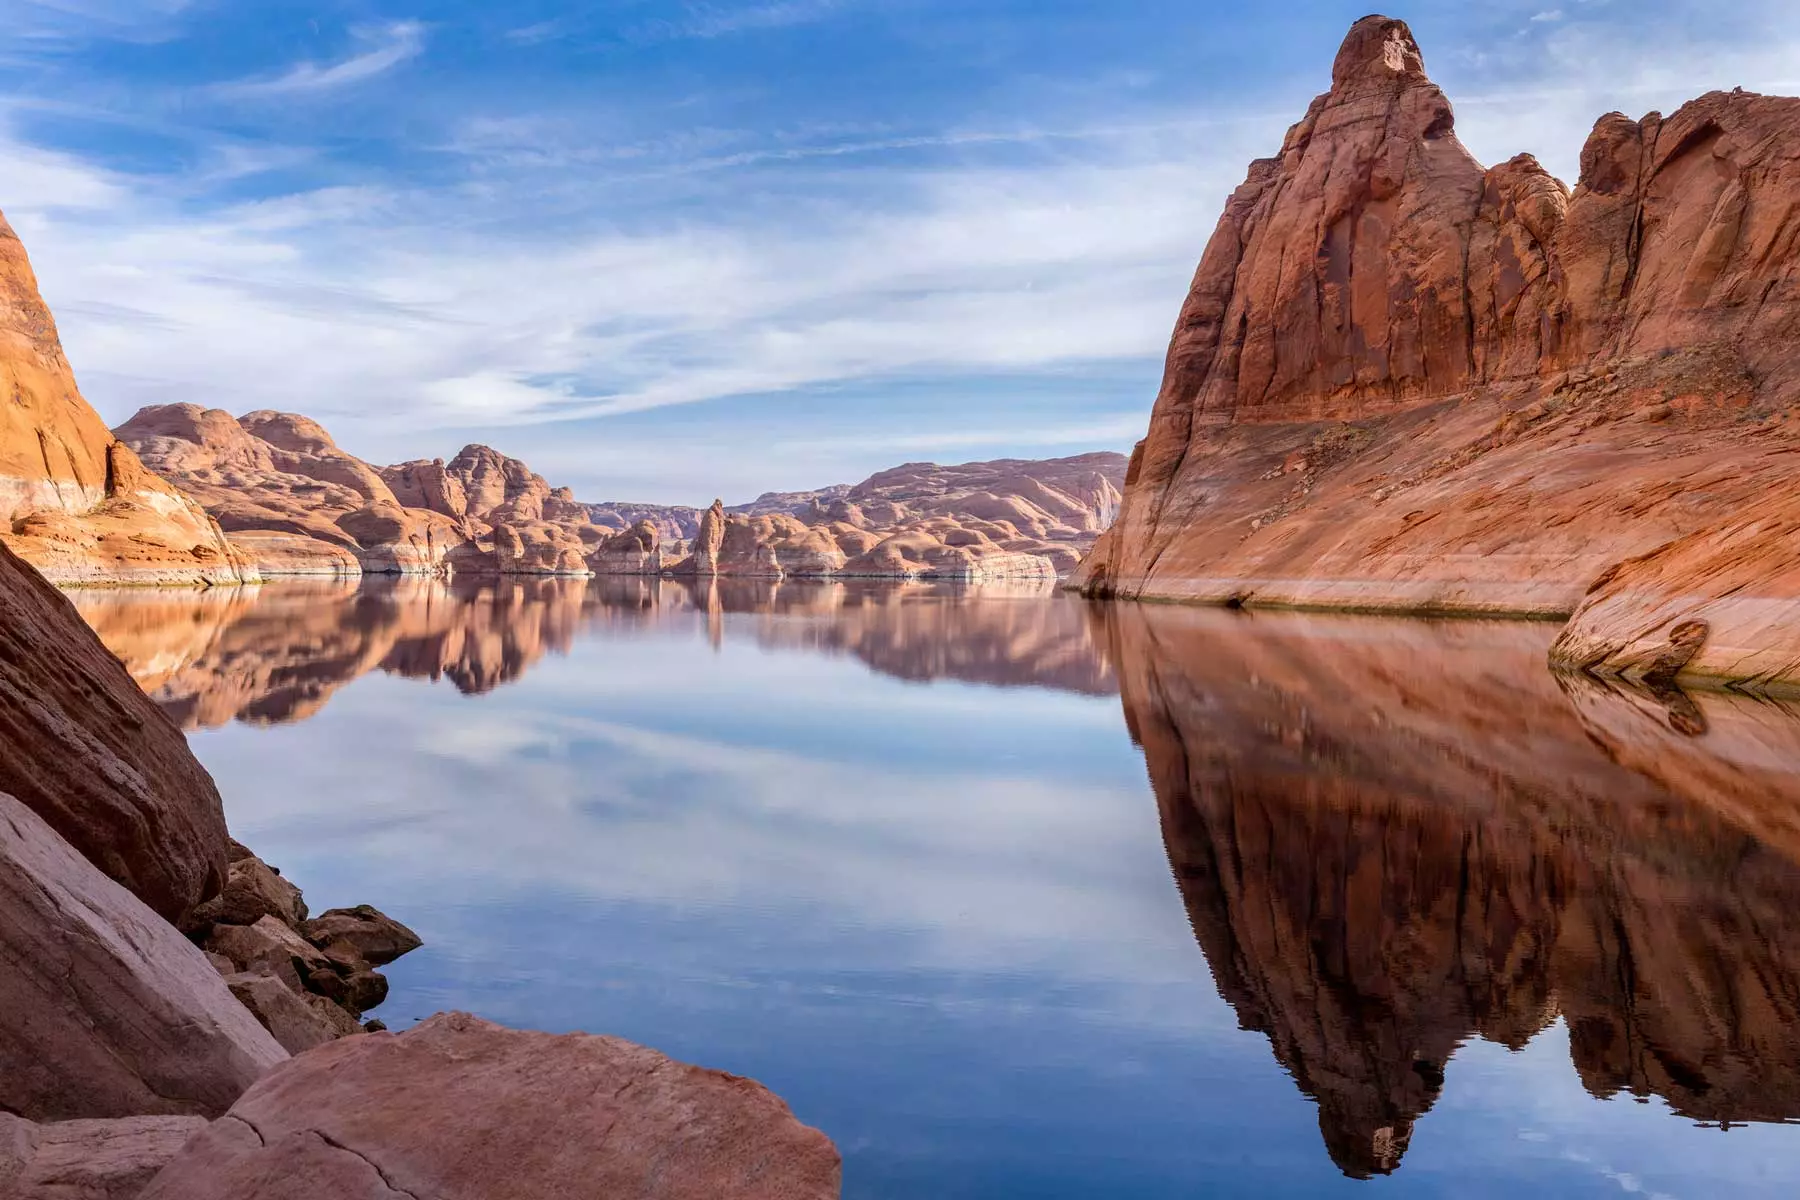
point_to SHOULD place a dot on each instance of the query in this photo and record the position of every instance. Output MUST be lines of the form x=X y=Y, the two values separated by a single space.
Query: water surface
x=1018 y=897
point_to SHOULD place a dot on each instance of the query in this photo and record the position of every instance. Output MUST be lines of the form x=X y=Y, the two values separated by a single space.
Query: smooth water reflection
x=891 y=850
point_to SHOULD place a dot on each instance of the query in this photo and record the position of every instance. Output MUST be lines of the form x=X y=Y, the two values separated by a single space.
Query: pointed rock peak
x=1379 y=48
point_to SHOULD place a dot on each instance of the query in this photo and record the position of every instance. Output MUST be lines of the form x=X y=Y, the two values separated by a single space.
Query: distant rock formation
x=1404 y=381
x=289 y=496
x=74 y=501
x=1011 y=519
x=1391 y=837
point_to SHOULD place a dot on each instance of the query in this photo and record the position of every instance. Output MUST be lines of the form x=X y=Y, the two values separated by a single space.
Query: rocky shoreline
x=175 y=1024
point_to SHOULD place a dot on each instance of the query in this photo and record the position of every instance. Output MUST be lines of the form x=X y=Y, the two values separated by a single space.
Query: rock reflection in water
x=1393 y=836
x=275 y=654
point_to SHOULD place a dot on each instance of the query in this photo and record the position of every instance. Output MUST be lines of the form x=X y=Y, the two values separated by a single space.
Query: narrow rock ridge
x=1402 y=381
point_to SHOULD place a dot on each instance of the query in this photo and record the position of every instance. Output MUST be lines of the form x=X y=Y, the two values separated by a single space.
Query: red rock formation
x=287 y=493
x=290 y=496
x=460 y=1108
x=86 y=750
x=74 y=502
x=88 y=1160
x=105 y=1010
x=1402 y=381
x=1392 y=836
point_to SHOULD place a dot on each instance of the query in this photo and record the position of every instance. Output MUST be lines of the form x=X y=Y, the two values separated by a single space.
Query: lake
x=1016 y=896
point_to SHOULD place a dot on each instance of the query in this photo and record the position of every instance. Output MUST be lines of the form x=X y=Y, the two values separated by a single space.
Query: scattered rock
x=294 y=1020
x=268 y=948
x=253 y=891
x=461 y=1109
x=371 y=933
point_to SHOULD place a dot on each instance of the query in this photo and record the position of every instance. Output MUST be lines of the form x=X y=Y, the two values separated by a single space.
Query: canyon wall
x=1404 y=381
x=75 y=502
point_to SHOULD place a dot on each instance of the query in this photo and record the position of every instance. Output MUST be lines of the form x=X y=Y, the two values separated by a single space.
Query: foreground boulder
x=86 y=750
x=105 y=1009
x=1404 y=381
x=460 y=1109
x=88 y=1160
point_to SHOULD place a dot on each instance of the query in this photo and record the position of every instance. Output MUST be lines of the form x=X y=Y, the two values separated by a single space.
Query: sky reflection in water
x=893 y=852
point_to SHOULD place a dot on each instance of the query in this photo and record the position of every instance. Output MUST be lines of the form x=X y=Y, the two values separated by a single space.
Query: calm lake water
x=1017 y=897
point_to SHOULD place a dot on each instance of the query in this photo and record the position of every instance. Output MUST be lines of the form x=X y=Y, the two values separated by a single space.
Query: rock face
x=86 y=750
x=1392 y=837
x=1721 y=603
x=75 y=502
x=106 y=1010
x=88 y=1160
x=458 y=1108
x=1007 y=520
x=289 y=496
x=1403 y=381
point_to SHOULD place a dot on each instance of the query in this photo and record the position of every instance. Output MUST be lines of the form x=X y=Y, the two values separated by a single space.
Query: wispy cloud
x=389 y=46
x=715 y=21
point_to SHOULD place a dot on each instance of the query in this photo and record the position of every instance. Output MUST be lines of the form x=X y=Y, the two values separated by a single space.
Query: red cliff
x=1404 y=381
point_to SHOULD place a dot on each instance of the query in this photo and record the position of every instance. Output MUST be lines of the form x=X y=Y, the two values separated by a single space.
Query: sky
x=666 y=250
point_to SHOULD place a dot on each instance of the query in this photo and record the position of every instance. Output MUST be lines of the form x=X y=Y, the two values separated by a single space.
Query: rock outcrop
x=288 y=495
x=74 y=501
x=979 y=522
x=105 y=1009
x=86 y=750
x=88 y=1160
x=1392 y=837
x=458 y=1108
x=1403 y=381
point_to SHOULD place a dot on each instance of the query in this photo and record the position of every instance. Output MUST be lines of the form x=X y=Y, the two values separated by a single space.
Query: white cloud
x=392 y=45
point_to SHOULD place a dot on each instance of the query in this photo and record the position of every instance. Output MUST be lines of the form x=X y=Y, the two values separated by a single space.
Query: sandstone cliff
x=75 y=502
x=289 y=496
x=1011 y=519
x=1403 y=381
x=1394 y=837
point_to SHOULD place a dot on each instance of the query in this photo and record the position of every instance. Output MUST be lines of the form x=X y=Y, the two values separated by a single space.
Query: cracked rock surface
x=460 y=1108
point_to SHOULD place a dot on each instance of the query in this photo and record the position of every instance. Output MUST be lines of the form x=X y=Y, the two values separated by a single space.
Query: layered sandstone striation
x=1392 y=837
x=75 y=502
x=1405 y=381
x=288 y=495
x=1011 y=519
x=85 y=749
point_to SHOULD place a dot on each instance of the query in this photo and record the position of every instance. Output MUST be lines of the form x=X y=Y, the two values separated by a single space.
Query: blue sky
x=668 y=250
